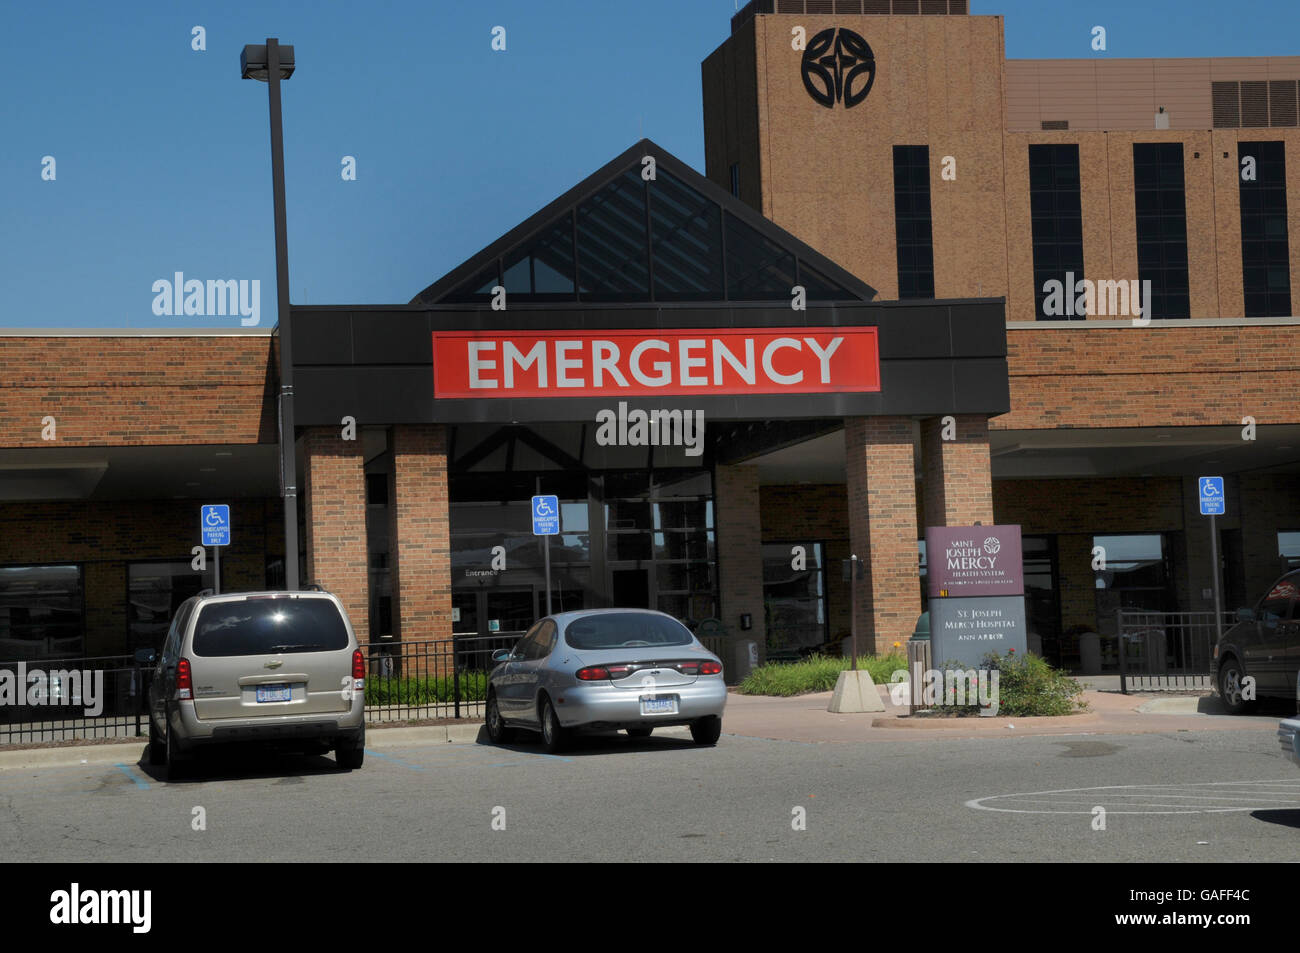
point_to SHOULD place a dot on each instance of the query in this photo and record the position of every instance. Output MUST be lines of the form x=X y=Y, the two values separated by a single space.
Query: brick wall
x=737 y=509
x=334 y=498
x=130 y=391
x=104 y=536
x=1150 y=377
x=882 y=527
x=956 y=474
x=420 y=540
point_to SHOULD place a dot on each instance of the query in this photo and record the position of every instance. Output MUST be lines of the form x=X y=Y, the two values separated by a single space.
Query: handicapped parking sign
x=1211 y=494
x=214 y=524
x=546 y=516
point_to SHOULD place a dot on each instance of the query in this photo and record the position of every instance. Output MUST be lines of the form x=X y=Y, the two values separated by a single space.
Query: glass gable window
x=612 y=260
x=1057 y=221
x=1161 y=206
x=41 y=612
x=758 y=269
x=673 y=237
x=686 y=242
x=543 y=269
x=477 y=289
x=1265 y=256
x=912 y=223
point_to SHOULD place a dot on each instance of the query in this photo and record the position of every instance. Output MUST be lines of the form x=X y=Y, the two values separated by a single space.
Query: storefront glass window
x=41 y=613
x=794 y=597
x=155 y=591
x=1288 y=548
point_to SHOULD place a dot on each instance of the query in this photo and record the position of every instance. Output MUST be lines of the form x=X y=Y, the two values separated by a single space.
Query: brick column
x=419 y=543
x=881 y=480
x=958 y=481
x=740 y=552
x=334 y=497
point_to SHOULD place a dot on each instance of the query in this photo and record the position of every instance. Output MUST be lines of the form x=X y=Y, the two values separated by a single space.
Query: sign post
x=975 y=578
x=546 y=523
x=214 y=528
x=1213 y=503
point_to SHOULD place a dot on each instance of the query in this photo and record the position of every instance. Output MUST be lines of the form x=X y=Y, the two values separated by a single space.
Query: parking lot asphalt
x=1211 y=795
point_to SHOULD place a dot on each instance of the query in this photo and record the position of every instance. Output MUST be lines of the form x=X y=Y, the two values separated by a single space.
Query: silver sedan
x=606 y=669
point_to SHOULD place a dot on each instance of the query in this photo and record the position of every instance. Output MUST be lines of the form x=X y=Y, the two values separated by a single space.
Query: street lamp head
x=253 y=62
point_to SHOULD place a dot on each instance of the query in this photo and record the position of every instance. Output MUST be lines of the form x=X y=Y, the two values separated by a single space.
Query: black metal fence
x=446 y=678
x=58 y=698
x=107 y=697
x=1167 y=651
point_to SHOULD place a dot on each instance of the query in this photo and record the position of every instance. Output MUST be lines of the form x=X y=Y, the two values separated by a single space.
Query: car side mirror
x=1245 y=615
x=145 y=656
x=501 y=655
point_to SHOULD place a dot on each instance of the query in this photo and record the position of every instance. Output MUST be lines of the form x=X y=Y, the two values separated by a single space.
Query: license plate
x=658 y=706
x=274 y=693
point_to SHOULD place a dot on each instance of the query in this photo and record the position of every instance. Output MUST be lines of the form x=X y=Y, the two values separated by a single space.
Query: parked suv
x=280 y=667
x=1263 y=645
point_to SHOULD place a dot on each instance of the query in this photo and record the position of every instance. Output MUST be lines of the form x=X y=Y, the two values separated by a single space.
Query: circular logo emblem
x=992 y=545
x=838 y=66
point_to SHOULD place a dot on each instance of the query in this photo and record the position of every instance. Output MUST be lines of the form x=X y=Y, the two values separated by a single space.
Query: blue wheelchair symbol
x=213 y=518
x=1210 y=488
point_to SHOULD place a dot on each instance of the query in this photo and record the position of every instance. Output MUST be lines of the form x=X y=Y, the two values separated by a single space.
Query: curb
x=132 y=751
x=960 y=724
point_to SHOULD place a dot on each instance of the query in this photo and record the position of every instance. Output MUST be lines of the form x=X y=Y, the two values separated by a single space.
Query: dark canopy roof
x=618 y=237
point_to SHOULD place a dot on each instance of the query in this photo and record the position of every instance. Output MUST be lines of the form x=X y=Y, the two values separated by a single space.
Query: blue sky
x=162 y=152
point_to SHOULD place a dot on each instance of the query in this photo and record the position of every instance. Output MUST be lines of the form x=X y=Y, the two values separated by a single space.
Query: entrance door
x=492 y=612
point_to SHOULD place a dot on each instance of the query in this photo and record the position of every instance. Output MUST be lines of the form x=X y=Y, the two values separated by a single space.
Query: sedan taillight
x=597 y=673
x=184 y=681
x=710 y=668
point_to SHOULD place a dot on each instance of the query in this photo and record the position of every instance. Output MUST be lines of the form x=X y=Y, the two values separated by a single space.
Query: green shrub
x=817 y=673
x=1028 y=687
x=425 y=691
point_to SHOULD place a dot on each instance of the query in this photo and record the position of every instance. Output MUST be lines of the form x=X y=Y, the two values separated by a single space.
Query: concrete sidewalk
x=802 y=718
x=805 y=718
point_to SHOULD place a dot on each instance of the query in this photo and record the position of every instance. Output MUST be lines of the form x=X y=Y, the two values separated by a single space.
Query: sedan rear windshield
x=269 y=627
x=617 y=630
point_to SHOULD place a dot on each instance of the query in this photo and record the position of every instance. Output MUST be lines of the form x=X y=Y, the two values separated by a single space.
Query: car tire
x=157 y=746
x=1230 y=676
x=554 y=736
x=498 y=732
x=178 y=765
x=350 y=755
x=706 y=731
x=639 y=732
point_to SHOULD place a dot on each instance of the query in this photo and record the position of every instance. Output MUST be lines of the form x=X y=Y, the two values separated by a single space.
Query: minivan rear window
x=614 y=630
x=269 y=627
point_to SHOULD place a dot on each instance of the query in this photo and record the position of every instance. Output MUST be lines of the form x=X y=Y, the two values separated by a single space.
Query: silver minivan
x=279 y=667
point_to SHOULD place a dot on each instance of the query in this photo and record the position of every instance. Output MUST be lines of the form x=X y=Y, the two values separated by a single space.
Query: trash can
x=744 y=659
x=381 y=657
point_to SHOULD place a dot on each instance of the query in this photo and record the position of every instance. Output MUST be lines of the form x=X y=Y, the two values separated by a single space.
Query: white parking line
x=1276 y=795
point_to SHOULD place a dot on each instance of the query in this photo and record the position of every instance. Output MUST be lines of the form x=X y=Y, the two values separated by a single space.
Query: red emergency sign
x=680 y=361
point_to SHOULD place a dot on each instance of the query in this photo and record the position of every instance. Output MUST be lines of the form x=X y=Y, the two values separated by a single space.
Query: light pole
x=271 y=63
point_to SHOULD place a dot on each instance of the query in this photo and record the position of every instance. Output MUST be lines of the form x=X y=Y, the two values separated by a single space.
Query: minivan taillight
x=184 y=681
x=358 y=664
